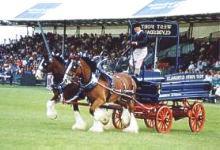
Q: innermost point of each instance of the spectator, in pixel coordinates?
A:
(191, 67)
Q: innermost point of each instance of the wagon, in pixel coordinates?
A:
(160, 100)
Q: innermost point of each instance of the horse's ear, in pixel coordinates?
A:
(58, 54)
(74, 56)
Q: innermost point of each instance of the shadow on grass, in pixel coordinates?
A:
(187, 131)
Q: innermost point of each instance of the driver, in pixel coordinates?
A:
(139, 42)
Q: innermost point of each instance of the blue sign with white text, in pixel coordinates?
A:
(159, 29)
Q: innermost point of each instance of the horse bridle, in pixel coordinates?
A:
(43, 64)
(74, 64)
(78, 79)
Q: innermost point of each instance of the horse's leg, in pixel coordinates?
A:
(109, 124)
(79, 122)
(51, 111)
(133, 126)
(99, 116)
(125, 116)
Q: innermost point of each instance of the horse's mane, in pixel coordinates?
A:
(59, 59)
(91, 63)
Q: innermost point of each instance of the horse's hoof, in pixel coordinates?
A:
(130, 130)
(96, 130)
(77, 127)
(109, 125)
(105, 121)
(125, 117)
(52, 116)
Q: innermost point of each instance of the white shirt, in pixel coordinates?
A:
(191, 67)
(139, 32)
(217, 64)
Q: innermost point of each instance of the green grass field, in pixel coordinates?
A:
(24, 125)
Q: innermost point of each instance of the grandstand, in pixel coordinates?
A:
(199, 37)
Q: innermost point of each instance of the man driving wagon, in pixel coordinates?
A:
(139, 42)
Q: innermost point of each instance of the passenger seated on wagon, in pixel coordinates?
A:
(139, 42)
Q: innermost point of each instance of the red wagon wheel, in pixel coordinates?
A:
(164, 119)
(197, 117)
(150, 123)
(116, 119)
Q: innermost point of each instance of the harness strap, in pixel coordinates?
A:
(73, 98)
(109, 92)
(119, 92)
(92, 83)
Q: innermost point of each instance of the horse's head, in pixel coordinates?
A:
(80, 68)
(73, 70)
(54, 65)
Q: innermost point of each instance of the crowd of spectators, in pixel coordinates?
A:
(204, 57)
(22, 56)
(205, 60)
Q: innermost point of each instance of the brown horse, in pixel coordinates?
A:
(101, 90)
(56, 66)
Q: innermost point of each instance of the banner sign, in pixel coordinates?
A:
(183, 77)
(160, 29)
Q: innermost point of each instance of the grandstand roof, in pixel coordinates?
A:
(82, 10)
(157, 8)
(181, 10)
(74, 10)
(110, 12)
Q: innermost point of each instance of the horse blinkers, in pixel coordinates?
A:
(75, 69)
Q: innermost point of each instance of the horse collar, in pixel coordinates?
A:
(93, 81)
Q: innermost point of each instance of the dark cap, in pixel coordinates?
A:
(137, 24)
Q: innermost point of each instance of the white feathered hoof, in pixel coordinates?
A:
(97, 127)
(80, 123)
(51, 112)
(101, 115)
(125, 117)
(51, 115)
(133, 126)
(79, 126)
(130, 130)
(105, 121)
(109, 125)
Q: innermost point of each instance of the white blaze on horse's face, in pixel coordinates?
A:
(39, 73)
